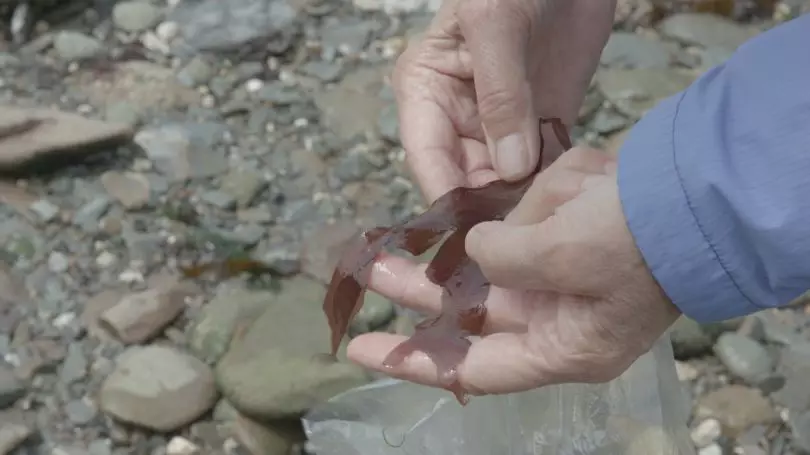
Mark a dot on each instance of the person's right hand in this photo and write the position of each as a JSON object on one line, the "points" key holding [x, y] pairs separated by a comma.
{"points": [[471, 90]]}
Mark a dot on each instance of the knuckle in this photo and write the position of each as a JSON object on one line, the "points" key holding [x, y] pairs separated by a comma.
{"points": [[500, 105]]}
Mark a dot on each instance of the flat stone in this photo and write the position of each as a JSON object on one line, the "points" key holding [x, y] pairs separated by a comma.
{"points": [[31, 133], [158, 388]]}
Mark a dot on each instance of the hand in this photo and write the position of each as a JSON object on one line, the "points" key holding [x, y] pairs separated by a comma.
{"points": [[503, 64], [572, 299]]}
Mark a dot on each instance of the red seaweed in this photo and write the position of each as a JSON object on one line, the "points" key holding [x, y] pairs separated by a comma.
{"points": [[464, 286]]}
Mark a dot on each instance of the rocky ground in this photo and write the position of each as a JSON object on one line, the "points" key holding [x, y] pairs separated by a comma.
{"points": [[141, 136]]}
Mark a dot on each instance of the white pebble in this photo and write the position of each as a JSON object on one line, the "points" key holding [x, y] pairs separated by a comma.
{"points": [[254, 85], [63, 320], [181, 446], [706, 433], [713, 449], [131, 276], [685, 371], [105, 259], [208, 101], [167, 31], [153, 43], [58, 262]]}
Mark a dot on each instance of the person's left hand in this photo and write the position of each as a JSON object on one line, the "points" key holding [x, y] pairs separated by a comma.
{"points": [[572, 299]]}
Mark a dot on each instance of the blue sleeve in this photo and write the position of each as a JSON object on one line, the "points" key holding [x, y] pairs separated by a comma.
{"points": [[715, 181]]}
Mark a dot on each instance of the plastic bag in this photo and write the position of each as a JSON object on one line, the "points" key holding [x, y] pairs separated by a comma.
{"points": [[643, 412]]}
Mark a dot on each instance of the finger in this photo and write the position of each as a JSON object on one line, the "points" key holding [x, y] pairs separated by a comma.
{"points": [[404, 281], [558, 184], [498, 363], [496, 34], [541, 256]]}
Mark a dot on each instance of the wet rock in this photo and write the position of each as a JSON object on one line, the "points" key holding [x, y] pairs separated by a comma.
{"points": [[70, 45], [27, 134], [196, 72], [707, 30], [744, 357], [142, 316], [278, 369], [706, 433], [89, 214], [737, 408], [634, 91], [243, 186], [355, 93], [159, 388], [350, 36], [11, 388], [398, 6], [74, 367], [271, 438], [181, 446], [45, 210], [215, 25], [181, 151], [325, 71], [220, 319], [322, 249], [136, 16], [131, 189], [690, 339], [799, 423], [218, 199], [795, 369], [633, 50], [12, 435], [146, 87], [376, 312], [80, 412]]}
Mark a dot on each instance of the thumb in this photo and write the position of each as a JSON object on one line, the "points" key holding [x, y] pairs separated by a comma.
{"points": [[497, 35]]}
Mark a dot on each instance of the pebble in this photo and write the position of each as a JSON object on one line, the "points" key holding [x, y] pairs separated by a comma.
{"points": [[706, 433], [80, 412], [197, 71], [632, 50], [744, 357], [712, 449], [181, 446], [158, 387], [705, 30], [58, 262], [70, 45], [130, 189], [11, 388], [45, 210], [136, 16]]}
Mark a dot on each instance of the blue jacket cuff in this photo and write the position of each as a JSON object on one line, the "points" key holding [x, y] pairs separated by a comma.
{"points": [[665, 228]]}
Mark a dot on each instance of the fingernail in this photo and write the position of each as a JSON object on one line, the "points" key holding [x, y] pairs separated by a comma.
{"points": [[512, 156]]}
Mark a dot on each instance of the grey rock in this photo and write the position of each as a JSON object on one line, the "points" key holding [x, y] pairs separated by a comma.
{"points": [[690, 339], [215, 326], [352, 36], [799, 423], [632, 50], [707, 30], [123, 112], [325, 71], [99, 447], [45, 210], [80, 412], [136, 16], [159, 388], [247, 70], [278, 93], [11, 388], [70, 45], [243, 185], [388, 123], [131, 189], [196, 72], [219, 199], [634, 91], [744, 357], [217, 25], [376, 312], [737, 408], [607, 121], [74, 367], [275, 370], [58, 262], [181, 151], [12, 435], [88, 215]]}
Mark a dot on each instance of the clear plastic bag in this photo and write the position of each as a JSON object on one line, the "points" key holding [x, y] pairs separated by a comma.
{"points": [[643, 412]]}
